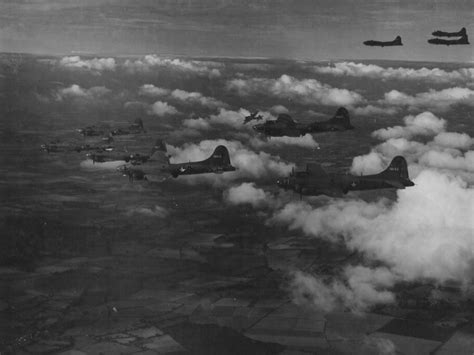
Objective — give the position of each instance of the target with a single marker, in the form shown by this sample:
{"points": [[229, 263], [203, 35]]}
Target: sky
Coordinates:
{"points": [[294, 29]]}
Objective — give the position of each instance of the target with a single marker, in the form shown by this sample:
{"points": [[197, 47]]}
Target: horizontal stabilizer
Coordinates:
{"points": [[396, 184]]}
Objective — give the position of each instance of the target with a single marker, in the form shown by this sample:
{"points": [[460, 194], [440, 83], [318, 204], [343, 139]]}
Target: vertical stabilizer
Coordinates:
{"points": [[220, 156], [397, 168]]}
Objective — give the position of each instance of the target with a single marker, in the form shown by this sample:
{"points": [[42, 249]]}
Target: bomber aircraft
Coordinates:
{"points": [[460, 33], [59, 147], [315, 181], [284, 125], [253, 116], [396, 42], [217, 163], [136, 127], [449, 42], [132, 158]]}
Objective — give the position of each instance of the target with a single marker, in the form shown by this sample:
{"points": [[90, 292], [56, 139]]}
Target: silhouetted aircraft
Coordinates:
{"points": [[449, 42], [315, 181], [284, 125], [460, 33], [340, 122], [136, 127], [134, 158], [253, 116], [396, 42], [58, 147], [91, 131], [217, 163]]}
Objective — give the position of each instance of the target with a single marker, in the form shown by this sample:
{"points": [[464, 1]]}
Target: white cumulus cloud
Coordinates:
{"points": [[423, 124], [377, 72], [440, 100], [90, 64], [151, 61], [161, 108], [305, 91]]}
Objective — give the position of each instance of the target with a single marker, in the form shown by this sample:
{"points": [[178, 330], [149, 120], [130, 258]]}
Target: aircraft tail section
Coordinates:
{"points": [[397, 169], [139, 123], [342, 118], [220, 157], [398, 41], [160, 146]]}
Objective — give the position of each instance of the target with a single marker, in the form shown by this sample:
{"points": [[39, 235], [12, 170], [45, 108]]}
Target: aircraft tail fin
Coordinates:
{"points": [[160, 146], [342, 117], [139, 122], [398, 40], [220, 156], [397, 169]]}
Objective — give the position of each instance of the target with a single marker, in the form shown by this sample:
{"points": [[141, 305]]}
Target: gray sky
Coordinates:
{"points": [[297, 29]]}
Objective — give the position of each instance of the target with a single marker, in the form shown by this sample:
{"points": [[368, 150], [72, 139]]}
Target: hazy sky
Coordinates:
{"points": [[299, 29]]}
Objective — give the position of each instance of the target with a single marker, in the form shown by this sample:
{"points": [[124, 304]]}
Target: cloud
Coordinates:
{"points": [[75, 91], [426, 234], [454, 140], [306, 141], [152, 90], [423, 124], [194, 98], [278, 109], [190, 98], [249, 164], [305, 91], [161, 108], [377, 72], [149, 62], [445, 160], [155, 211], [197, 123], [371, 163], [225, 117], [108, 165], [247, 193], [98, 64], [440, 100], [371, 110], [447, 151], [360, 288]]}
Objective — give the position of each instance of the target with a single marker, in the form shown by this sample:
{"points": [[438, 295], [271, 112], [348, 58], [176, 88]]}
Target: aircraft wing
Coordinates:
{"points": [[316, 170], [395, 183]]}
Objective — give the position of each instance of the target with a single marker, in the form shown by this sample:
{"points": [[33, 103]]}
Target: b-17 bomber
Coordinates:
{"points": [[315, 181], [60, 147], [132, 158], [449, 42], [134, 128], [253, 116], [396, 42], [284, 125], [217, 163], [460, 33]]}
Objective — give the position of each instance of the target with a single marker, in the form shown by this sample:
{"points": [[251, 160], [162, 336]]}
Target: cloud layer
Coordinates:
{"points": [[305, 91], [377, 72]]}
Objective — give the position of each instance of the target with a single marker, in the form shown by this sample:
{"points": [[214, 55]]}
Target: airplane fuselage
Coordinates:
{"points": [[337, 185], [381, 44], [447, 42], [193, 168]]}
